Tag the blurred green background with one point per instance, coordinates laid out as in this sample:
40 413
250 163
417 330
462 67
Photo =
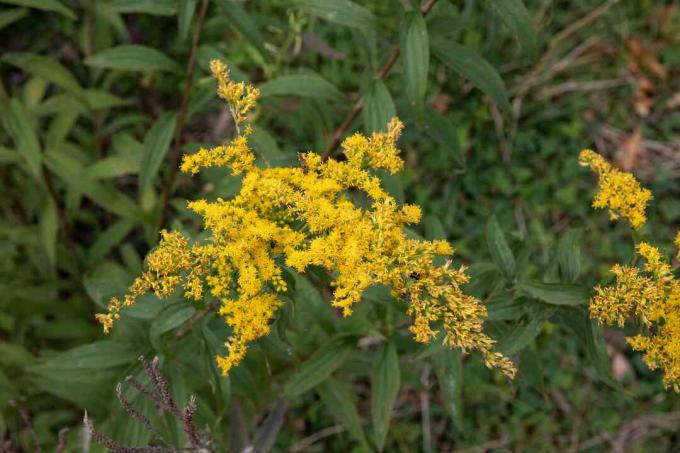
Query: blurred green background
99 98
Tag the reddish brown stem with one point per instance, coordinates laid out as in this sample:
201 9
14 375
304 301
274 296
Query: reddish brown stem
175 153
359 105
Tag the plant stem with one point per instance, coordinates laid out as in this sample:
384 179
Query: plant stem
359 105
175 153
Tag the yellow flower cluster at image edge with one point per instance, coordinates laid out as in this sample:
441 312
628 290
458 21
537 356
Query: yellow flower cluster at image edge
651 294
303 216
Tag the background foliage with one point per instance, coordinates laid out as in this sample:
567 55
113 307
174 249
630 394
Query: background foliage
99 98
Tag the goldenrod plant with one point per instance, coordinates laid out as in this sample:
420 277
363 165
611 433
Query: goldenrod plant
339 225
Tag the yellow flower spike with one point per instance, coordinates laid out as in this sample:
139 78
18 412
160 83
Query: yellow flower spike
619 191
305 217
240 97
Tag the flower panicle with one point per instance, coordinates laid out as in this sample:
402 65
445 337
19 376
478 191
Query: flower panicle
651 295
298 217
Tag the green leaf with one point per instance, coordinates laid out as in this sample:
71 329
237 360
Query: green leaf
71 172
49 229
18 124
341 12
10 16
86 374
471 65
385 383
94 356
499 248
47 68
108 239
505 308
448 367
242 21
590 333
569 255
187 8
113 166
15 355
516 17
557 293
104 281
45 5
378 107
156 145
442 130
103 100
338 399
308 85
155 7
265 437
132 57
318 367
521 334
415 51
172 317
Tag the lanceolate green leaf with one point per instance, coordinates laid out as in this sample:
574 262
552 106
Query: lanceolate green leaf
442 130
47 68
590 333
471 65
415 50
499 248
305 85
18 124
184 16
569 255
448 367
93 356
341 12
72 174
45 5
132 57
337 398
12 15
155 7
385 383
172 317
318 367
515 15
557 293
265 437
378 107
49 229
521 334
156 145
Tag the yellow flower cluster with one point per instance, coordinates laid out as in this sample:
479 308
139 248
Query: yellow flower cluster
240 97
652 295
619 191
304 216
